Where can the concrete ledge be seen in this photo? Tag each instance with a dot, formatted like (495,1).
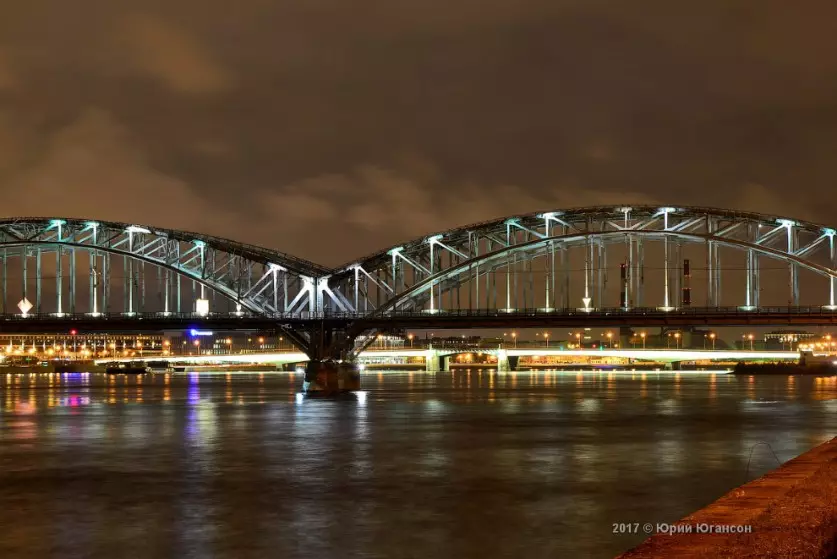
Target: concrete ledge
(792,511)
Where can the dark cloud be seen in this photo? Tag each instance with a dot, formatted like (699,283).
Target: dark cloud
(329,128)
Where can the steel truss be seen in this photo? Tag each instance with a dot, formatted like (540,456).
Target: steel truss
(490,265)
(150,268)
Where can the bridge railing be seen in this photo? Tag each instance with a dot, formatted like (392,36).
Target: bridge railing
(396,314)
(643,311)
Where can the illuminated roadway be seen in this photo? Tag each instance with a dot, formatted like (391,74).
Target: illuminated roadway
(654,355)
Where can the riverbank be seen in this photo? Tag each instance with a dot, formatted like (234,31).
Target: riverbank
(791,512)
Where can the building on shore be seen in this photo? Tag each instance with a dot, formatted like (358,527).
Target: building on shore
(86,345)
(787,339)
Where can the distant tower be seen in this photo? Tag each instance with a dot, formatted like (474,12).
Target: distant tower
(623,271)
(687,280)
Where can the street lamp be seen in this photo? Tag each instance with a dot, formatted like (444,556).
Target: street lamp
(578,339)
(750,337)
(610,340)
(197,346)
(677,340)
(546,337)
(642,335)
(514,337)
(410,337)
(712,337)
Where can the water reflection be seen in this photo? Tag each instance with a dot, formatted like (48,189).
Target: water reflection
(476,463)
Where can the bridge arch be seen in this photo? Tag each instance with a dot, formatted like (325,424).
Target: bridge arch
(418,274)
(50,254)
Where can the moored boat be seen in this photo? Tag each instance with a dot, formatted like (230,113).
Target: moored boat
(73,366)
(126,368)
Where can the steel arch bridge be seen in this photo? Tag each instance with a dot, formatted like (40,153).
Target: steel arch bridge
(623,261)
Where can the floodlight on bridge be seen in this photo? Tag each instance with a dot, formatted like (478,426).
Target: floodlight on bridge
(202,307)
(136,229)
(786,222)
(91,225)
(25,306)
(435,238)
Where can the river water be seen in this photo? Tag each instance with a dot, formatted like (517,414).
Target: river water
(466,464)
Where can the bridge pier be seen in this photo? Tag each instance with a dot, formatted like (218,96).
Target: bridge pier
(505,363)
(330,377)
(434,362)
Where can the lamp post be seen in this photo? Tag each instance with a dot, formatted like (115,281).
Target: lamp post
(677,340)
(546,337)
(712,337)
(750,337)
(410,337)
(578,340)
(514,337)
(610,340)
(642,335)
(197,346)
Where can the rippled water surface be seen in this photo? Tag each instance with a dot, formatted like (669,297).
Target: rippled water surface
(466,464)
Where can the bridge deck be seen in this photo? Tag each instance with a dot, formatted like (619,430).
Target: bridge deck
(456,319)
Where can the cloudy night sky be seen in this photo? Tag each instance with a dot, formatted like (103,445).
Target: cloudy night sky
(329,129)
